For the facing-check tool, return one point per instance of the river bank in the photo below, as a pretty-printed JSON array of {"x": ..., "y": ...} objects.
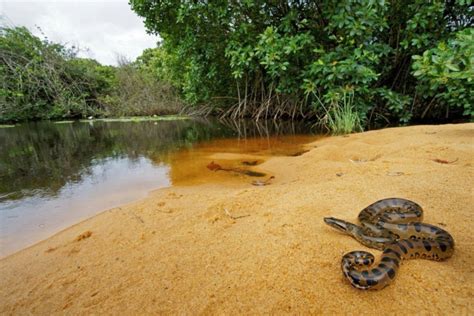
[{"x": 237, "y": 248}]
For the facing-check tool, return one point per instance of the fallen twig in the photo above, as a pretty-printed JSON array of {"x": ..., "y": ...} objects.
[
  {"x": 234, "y": 217},
  {"x": 445, "y": 161}
]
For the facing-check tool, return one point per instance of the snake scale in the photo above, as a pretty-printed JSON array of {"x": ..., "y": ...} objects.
[{"x": 395, "y": 226}]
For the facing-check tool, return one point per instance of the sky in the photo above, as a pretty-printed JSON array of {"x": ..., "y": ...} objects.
[{"x": 102, "y": 29}]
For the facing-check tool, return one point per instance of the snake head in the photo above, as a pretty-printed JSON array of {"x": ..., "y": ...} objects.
[{"x": 338, "y": 224}]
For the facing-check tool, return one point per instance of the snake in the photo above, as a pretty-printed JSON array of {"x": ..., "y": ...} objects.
[{"x": 393, "y": 225}]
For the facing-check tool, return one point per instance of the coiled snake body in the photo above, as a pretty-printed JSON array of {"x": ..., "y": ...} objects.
[{"x": 394, "y": 226}]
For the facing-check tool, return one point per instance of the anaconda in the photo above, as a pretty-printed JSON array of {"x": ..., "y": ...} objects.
[{"x": 395, "y": 226}]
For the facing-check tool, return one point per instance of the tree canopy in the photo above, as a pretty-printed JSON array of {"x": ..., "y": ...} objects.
[{"x": 393, "y": 61}]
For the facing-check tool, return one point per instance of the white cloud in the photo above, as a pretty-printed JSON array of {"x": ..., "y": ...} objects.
[{"x": 102, "y": 29}]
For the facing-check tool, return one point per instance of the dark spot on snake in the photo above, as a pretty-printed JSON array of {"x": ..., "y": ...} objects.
[
  {"x": 409, "y": 243},
  {"x": 382, "y": 266},
  {"x": 371, "y": 282},
  {"x": 355, "y": 279},
  {"x": 413, "y": 237},
  {"x": 402, "y": 215},
  {"x": 388, "y": 251},
  {"x": 433, "y": 230},
  {"x": 443, "y": 247},
  {"x": 392, "y": 260},
  {"x": 365, "y": 274},
  {"x": 391, "y": 273},
  {"x": 366, "y": 262},
  {"x": 376, "y": 272},
  {"x": 402, "y": 248},
  {"x": 427, "y": 245},
  {"x": 418, "y": 227}
]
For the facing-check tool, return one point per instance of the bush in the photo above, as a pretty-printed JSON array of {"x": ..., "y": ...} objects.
[
  {"x": 272, "y": 58},
  {"x": 140, "y": 93},
  {"x": 446, "y": 74},
  {"x": 45, "y": 80}
]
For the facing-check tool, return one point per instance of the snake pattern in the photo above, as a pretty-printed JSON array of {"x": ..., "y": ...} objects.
[{"x": 394, "y": 226}]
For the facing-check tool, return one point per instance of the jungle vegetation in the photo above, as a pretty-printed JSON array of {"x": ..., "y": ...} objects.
[
  {"x": 343, "y": 64},
  {"x": 41, "y": 79}
]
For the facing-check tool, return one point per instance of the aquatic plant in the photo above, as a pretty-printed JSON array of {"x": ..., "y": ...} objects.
[{"x": 340, "y": 117}]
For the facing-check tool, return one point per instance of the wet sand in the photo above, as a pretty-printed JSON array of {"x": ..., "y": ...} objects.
[{"x": 234, "y": 248}]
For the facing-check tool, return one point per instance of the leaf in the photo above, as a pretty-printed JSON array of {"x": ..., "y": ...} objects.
[
  {"x": 418, "y": 73},
  {"x": 452, "y": 67}
]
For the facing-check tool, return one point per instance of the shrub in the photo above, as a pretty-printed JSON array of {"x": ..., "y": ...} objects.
[{"x": 446, "y": 74}]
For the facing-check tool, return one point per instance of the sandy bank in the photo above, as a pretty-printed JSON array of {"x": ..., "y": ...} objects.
[{"x": 240, "y": 249}]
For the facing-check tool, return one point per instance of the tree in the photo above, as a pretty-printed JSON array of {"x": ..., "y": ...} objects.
[{"x": 298, "y": 58}]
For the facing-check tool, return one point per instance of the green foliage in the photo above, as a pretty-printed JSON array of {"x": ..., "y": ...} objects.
[
  {"x": 159, "y": 64},
  {"x": 397, "y": 104},
  {"x": 399, "y": 61},
  {"x": 139, "y": 92},
  {"x": 341, "y": 116},
  {"x": 446, "y": 73},
  {"x": 272, "y": 58},
  {"x": 45, "y": 80}
]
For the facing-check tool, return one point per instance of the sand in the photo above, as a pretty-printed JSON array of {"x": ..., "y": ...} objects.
[{"x": 234, "y": 248}]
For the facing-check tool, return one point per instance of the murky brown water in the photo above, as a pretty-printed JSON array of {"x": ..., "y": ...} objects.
[
  {"x": 236, "y": 157},
  {"x": 55, "y": 175}
]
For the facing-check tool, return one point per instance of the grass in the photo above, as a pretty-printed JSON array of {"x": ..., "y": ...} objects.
[
  {"x": 341, "y": 117},
  {"x": 6, "y": 126}
]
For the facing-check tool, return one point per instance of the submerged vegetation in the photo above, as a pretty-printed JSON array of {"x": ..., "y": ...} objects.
[{"x": 345, "y": 65}]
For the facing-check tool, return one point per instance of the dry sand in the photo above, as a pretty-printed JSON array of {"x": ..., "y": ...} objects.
[{"x": 240, "y": 249}]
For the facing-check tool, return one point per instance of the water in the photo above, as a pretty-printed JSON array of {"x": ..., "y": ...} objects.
[{"x": 55, "y": 175}]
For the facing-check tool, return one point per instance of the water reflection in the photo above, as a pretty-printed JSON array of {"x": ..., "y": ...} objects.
[
  {"x": 40, "y": 158},
  {"x": 264, "y": 129},
  {"x": 109, "y": 183},
  {"x": 53, "y": 175}
]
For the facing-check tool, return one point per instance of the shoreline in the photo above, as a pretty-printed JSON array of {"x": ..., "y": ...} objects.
[
  {"x": 213, "y": 248},
  {"x": 119, "y": 185}
]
